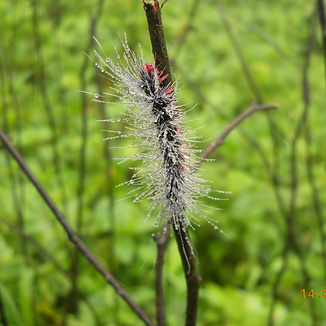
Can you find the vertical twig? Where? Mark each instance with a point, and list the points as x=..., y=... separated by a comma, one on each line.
x=74, y=292
x=322, y=18
x=3, y=317
x=307, y=130
x=161, y=244
x=41, y=81
x=291, y=242
x=156, y=32
x=192, y=276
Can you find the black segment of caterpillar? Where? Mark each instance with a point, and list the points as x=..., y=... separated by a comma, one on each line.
x=164, y=109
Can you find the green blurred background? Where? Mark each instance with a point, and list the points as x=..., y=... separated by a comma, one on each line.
x=225, y=54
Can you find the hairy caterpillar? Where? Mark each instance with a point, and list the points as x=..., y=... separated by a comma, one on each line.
x=168, y=178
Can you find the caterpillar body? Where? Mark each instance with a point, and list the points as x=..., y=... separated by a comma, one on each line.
x=168, y=178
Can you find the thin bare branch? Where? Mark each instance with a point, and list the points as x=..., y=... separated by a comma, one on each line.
x=322, y=18
x=155, y=28
x=159, y=49
x=73, y=237
x=291, y=242
x=161, y=244
x=220, y=140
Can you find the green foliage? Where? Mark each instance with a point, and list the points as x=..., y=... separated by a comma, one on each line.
x=43, y=68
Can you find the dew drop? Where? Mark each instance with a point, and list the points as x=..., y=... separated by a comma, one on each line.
x=97, y=95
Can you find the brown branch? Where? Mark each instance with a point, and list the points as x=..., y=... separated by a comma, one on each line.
x=291, y=242
x=71, y=234
x=161, y=244
x=307, y=130
x=192, y=276
x=322, y=20
x=220, y=140
x=155, y=27
x=193, y=279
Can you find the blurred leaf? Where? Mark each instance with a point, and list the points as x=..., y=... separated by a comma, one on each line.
x=26, y=297
x=12, y=312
